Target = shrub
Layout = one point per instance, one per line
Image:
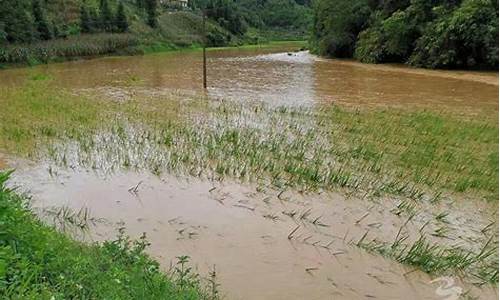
(389, 40)
(84, 45)
(468, 37)
(337, 24)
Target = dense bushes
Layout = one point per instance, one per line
(337, 24)
(27, 21)
(468, 37)
(84, 45)
(237, 16)
(105, 20)
(425, 33)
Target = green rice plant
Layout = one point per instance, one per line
(435, 258)
(370, 153)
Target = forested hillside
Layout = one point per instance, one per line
(33, 31)
(424, 33)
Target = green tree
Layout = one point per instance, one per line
(140, 4)
(3, 34)
(336, 25)
(121, 18)
(152, 11)
(41, 23)
(95, 20)
(106, 16)
(465, 38)
(18, 24)
(85, 20)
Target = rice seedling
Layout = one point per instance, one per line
(272, 217)
(409, 156)
(442, 217)
(65, 218)
(290, 235)
(435, 258)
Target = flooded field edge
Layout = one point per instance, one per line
(293, 246)
(270, 239)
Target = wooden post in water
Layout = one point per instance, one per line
(204, 52)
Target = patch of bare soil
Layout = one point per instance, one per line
(266, 244)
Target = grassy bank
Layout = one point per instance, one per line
(68, 49)
(176, 30)
(37, 262)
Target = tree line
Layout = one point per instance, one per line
(105, 20)
(424, 33)
(27, 21)
(237, 16)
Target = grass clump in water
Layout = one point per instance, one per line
(37, 262)
(434, 258)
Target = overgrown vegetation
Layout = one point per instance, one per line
(270, 15)
(70, 48)
(40, 31)
(431, 34)
(37, 262)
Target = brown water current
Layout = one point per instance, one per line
(266, 243)
(279, 78)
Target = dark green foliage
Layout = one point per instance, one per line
(238, 15)
(425, 33)
(85, 20)
(285, 14)
(336, 25)
(466, 38)
(3, 34)
(388, 40)
(141, 4)
(18, 26)
(94, 20)
(227, 14)
(152, 11)
(121, 19)
(106, 16)
(41, 23)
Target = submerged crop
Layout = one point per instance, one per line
(412, 157)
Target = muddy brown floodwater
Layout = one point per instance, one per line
(248, 235)
(265, 244)
(279, 78)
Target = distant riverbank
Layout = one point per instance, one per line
(98, 45)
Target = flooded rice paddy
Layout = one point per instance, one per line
(296, 177)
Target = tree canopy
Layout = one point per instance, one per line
(425, 33)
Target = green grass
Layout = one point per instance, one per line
(33, 114)
(70, 48)
(437, 259)
(415, 154)
(37, 262)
